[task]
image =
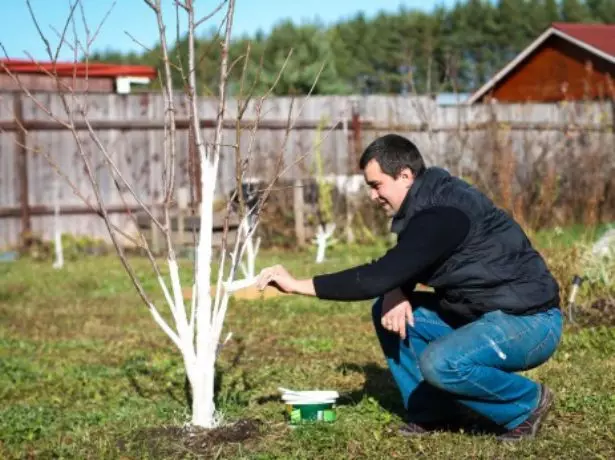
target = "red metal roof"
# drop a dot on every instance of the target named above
(600, 36)
(67, 69)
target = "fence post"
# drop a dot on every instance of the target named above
(21, 166)
(298, 209)
(356, 137)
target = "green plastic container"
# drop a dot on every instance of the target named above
(310, 406)
(311, 412)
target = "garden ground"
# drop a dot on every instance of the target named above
(86, 373)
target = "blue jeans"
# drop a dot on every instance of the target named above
(444, 363)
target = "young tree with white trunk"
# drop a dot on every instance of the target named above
(326, 219)
(58, 262)
(195, 328)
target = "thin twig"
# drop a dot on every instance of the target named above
(210, 15)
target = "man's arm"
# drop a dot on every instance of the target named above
(430, 236)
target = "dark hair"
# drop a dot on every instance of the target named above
(393, 153)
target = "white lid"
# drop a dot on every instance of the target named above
(310, 397)
(308, 402)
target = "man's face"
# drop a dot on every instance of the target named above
(385, 190)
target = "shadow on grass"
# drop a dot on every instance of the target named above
(378, 385)
(149, 380)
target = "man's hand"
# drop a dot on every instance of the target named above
(396, 312)
(278, 277)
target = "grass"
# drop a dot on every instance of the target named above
(85, 373)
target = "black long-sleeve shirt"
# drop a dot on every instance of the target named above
(428, 238)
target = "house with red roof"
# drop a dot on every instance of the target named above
(567, 62)
(94, 76)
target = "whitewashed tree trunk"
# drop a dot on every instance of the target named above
(605, 246)
(57, 228)
(248, 266)
(323, 235)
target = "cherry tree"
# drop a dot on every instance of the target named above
(194, 327)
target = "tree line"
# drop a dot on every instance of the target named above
(447, 49)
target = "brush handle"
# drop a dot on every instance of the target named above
(239, 284)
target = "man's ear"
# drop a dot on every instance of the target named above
(406, 175)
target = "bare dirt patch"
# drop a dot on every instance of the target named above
(180, 442)
(601, 312)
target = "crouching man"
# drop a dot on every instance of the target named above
(494, 310)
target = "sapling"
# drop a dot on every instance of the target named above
(605, 246)
(57, 229)
(194, 328)
(326, 224)
(252, 245)
(323, 236)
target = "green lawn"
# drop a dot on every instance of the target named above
(85, 373)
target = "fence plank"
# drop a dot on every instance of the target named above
(131, 127)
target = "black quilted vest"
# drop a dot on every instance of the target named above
(494, 268)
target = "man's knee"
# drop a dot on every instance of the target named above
(440, 368)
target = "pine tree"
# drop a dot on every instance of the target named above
(574, 11)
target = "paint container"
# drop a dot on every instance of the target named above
(310, 406)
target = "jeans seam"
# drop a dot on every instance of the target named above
(486, 390)
(542, 343)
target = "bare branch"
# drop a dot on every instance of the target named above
(62, 40)
(63, 34)
(42, 35)
(210, 15)
(116, 170)
(146, 48)
(100, 24)
(153, 4)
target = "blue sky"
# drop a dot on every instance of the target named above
(19, 37)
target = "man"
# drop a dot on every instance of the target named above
(494, 310)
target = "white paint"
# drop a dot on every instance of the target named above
(497, 349)
(248, 267)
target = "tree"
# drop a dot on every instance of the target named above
(194, 329)
(574, 11)
(602, 10)
(541, 15)
(310, 49)
(472, 40)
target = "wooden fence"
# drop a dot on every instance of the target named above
(131, 128)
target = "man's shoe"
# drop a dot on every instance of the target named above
(420, 429)
(529, 428)
(413, 429)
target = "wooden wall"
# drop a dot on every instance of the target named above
(557, 70)
(37, 82)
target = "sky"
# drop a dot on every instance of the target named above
(19, 37)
